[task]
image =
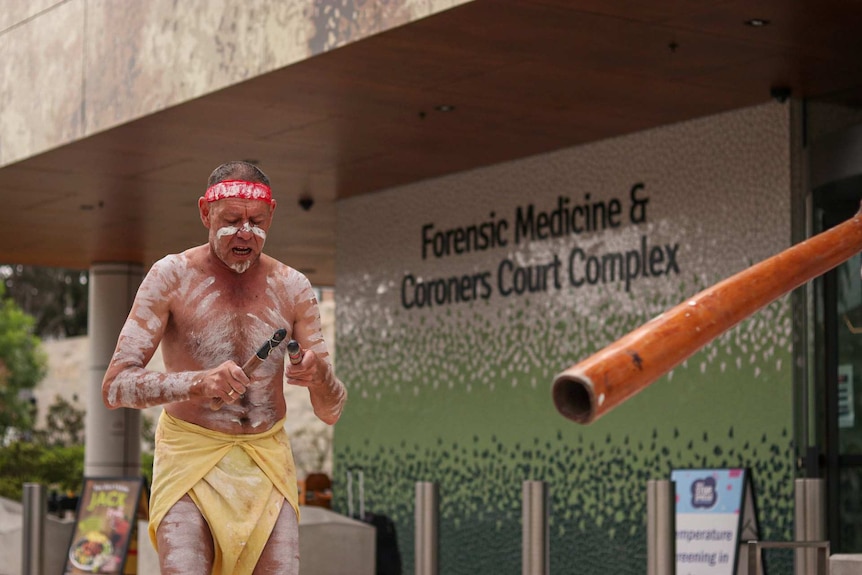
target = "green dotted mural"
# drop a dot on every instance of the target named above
(481, 423)
(450, 361)
(597, 492)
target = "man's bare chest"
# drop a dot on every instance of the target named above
(224, 326)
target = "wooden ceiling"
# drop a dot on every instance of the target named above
(523, 77)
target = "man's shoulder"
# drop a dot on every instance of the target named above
(179, 262)
(280, 271)
(286, 279)
(184, 257)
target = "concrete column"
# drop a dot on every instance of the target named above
(113, 437)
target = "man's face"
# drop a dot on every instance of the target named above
(237, 229)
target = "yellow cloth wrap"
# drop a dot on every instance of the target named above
(239, 483)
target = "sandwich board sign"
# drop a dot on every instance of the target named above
(105, 524)
(715, 518)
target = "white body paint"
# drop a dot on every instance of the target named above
(208, 326)
(209, 321)
(246, 227)
(226, 231)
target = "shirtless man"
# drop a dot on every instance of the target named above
(224, 488)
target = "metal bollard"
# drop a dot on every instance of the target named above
(661, 531)
(809, 522)
(427, 542)
(536, 549)
(33, 534)
(755, 557)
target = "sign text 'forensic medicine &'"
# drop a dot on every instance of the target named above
(576, 268)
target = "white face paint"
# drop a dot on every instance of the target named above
(259, 232)
(246, 227)
(227, 231)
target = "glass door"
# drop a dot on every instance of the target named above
(838, 365)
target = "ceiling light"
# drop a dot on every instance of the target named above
(444, 108)
(757, 22)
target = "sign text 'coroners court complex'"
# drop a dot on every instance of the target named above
(576, 268)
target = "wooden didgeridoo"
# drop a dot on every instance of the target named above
(591, 388)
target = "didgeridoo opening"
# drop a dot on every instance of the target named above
(574, 398)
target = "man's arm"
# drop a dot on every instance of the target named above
(328, 395)
(127, 382)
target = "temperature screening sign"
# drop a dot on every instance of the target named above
(713, 506)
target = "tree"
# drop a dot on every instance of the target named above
(54, 457)
(64, 424)
(25, 462)
(23, 364)
(56, 297)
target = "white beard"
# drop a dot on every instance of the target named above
(241, 267)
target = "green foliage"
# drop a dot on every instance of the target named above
(147, 467)
(59, 468)
(55, 456)
(148, 432)
(56, 297)
(23, 364)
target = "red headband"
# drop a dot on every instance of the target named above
(239, 189)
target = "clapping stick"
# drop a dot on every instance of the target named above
(256, 360)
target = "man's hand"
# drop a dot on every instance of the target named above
(224, 384)
(310, 372)
(326, 392)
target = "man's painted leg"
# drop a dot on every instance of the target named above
(281, 554)
(185, 541)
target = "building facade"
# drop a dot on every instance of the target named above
(462, 291)
(460, 302)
